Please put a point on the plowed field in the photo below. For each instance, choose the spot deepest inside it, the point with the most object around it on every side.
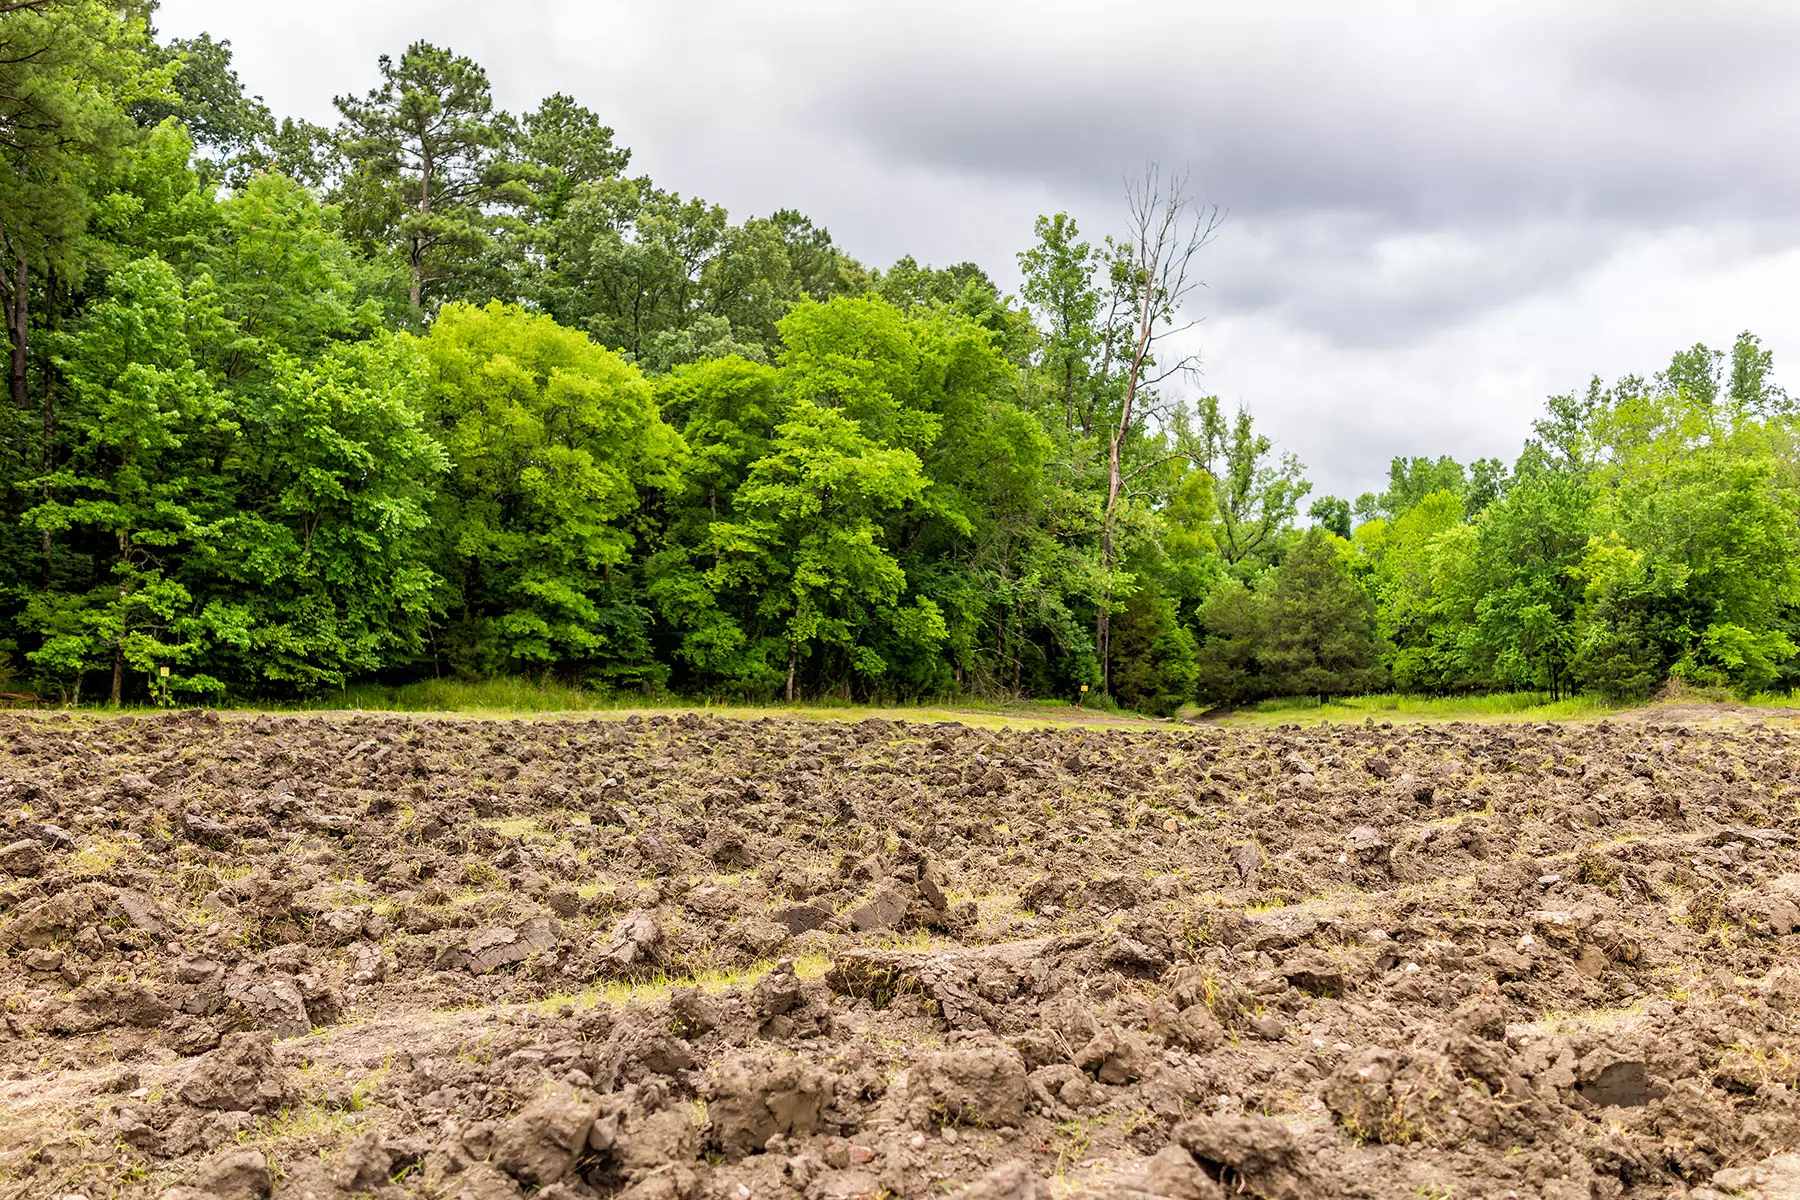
(696, 959)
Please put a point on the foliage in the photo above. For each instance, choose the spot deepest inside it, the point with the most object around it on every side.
(551, 441)
(443, 397)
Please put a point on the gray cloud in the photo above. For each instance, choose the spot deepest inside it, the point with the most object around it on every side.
(1436, 212)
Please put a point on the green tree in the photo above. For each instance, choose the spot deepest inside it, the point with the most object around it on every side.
(1321, 638)
(1156, 656)
(1410, 480)
(69, 74)
(1256, 497)
(1405, 565)
(809, 542)
(1331, 514)
(1082, 323)
(425, 150)
(564, 147)
(130, 489)
(726, 410)
(1523, 634)
(318, 571)
(1233, 637)
(207, 98)
(284, 277)
(553, 444)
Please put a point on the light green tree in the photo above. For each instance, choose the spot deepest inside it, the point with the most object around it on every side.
(553, 444)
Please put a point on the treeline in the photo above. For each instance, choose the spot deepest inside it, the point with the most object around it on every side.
(446, 390)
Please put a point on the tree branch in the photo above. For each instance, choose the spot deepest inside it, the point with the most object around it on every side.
(1151, 466)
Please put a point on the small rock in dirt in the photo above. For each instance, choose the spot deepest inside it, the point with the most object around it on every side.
(641, 1142)
(565, 902)
(483, 1181)
(1314, 973)
(1267, 1026)
(1258, 1152)
(1784, 916)
(22, 858)
(881, 911)
(206, 831)
(801, 918)
(53, 836)
(752, 1100)
(1113, 1057)
(241, 1174)
(494, 946)
(633, 941)
(1592, 961)
(341, 926)
(1623, 1083)
(980, 1085)
(1391, 1096)
(1245, 859)
(371, 1161)
(1009, 1181)
(1173, 1173)
(538, 1144)
(1366, 842)
(275, 1004)
(242, 1075)
(368, 963)
(194, 969)
(42, 959)
(1196, 1028)
(1066, 1085)
(778, 992)
(143, 912)
(103, 1002)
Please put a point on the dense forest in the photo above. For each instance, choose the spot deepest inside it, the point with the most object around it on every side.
(447, 390)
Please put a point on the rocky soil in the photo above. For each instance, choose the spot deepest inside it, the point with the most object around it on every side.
(693, 959)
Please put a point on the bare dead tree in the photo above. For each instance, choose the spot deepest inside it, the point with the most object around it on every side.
(1167, 228)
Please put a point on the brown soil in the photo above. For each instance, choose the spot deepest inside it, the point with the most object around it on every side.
(697, 959)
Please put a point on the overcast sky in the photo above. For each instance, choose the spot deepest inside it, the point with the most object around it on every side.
(1436, 214)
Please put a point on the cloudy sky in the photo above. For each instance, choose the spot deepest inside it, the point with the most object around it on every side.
(1436, 214)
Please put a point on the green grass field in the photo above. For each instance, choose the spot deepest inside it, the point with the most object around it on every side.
(1503, 706)
(526, 698)
(1397, 707)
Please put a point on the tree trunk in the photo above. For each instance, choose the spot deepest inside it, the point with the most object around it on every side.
(1018, 652)
(416, 256)
(118, 680)
(47, 455)
(1166, 233)
(1114, 482)
(18, 327)
(790, 681)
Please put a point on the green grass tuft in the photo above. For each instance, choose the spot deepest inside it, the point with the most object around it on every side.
(1509, 706)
